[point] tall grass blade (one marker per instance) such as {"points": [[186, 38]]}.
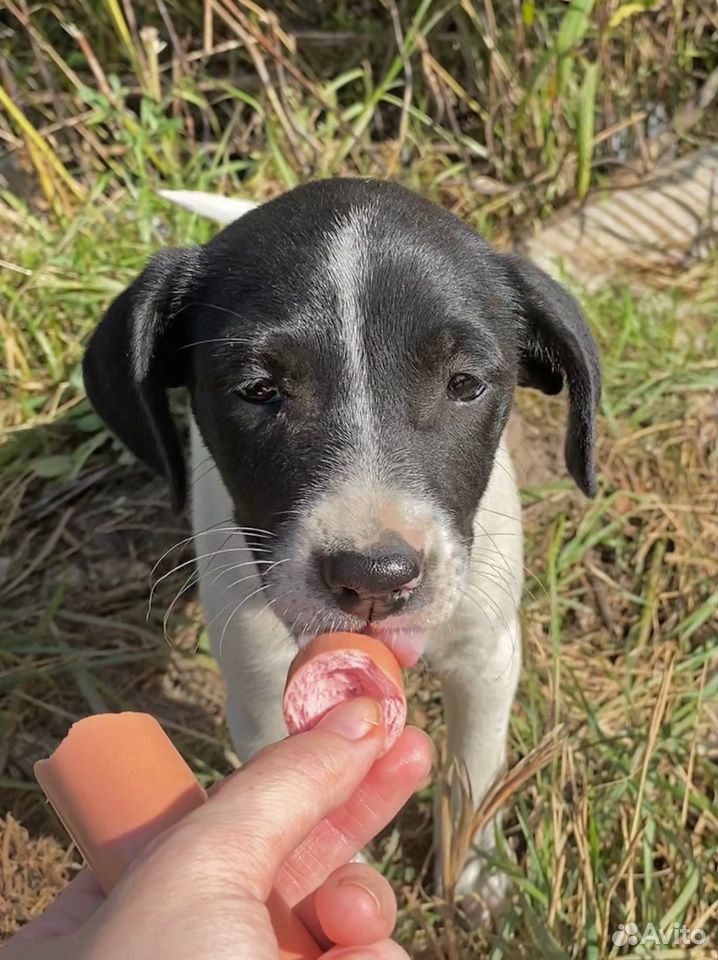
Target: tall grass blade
{"points": [[586, 124]]}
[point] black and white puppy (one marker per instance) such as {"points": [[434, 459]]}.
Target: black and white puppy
{"points": [[351, 353]]}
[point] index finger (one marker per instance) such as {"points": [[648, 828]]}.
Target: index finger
{"points": [[246, 830], [344, 831]]}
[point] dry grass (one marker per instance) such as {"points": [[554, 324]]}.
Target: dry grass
{"points": [[610, 794], [502, 111]]}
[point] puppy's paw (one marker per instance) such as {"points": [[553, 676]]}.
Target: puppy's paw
{"points": [[481, 893], [482, 889]]}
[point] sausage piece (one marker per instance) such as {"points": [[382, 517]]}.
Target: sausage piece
{"points": [[335, 667]]}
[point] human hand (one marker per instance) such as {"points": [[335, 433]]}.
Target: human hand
{"points": [[286, 821]]}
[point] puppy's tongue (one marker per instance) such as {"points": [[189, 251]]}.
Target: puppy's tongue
{"points": [[407, 645]]}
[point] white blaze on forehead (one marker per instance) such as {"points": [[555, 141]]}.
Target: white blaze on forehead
{"points": [[361, 503], [347, 266]]}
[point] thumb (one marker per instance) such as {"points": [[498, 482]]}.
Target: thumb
{"points": [[252, 824]]}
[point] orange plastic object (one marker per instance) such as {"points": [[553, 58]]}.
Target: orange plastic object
{"points": [[116, 782], [335, 667]]}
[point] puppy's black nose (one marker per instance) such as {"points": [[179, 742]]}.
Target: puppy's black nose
{"points": [[374, 584]]}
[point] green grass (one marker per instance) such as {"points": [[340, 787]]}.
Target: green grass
{"points": [[611, 794], [502, 110]]}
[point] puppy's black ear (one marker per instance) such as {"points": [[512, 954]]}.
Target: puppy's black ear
{"points": [[132, 360], [557, 348]]}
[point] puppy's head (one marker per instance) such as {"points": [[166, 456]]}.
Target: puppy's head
{"points": [[351, 352]]}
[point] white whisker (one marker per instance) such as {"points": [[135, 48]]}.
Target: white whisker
{"points": [[228, 567], [181, 543], [245, 599], [189, 582], [180, 566], [271, 564]]}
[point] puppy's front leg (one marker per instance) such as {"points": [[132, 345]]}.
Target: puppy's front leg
{"points": [[249, 643], [254, 699], [479, 682]]}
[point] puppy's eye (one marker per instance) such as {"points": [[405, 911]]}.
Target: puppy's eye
{"points": [[463, 387], [259, 391]]}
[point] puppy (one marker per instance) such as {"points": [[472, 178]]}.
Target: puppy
{"points": [[350, 352]]}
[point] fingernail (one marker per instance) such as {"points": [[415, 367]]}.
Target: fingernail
{"points": [[350, 882], [353, 719]]}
